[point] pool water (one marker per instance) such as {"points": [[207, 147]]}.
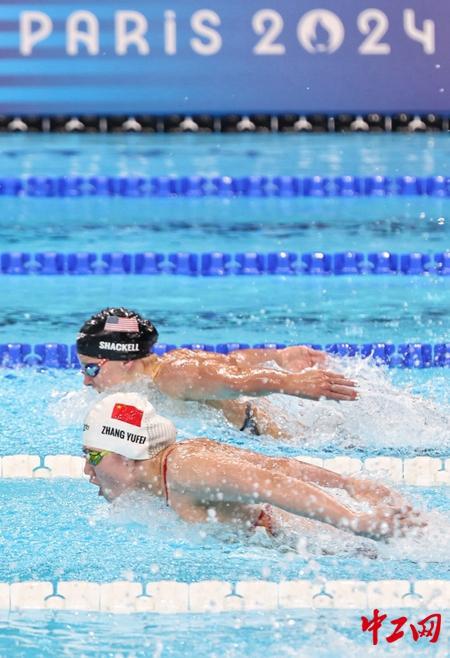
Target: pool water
{"points": [[236, 309], [60, 530], [301, 224], [285, 635], [409, 412], [305, 224], [145, 542], [228, 154]]}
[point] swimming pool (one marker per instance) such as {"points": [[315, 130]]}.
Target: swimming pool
{"points": [[57, 530]]}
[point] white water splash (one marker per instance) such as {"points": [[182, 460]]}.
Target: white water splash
{"points": [[304, 538], [69, 408], [384, 415], [422, 545]]}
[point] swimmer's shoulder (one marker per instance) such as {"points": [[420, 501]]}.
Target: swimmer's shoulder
{"points": [[202, 446], [168, 359], [183, 454], [194, 447], [180, 357], [196, 443]]}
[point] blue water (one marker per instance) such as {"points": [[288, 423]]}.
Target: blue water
{"points": [[397, 224], [242, 309], [62, 530], [303, 224], [299, 634], [146, 542], [211, 155]]}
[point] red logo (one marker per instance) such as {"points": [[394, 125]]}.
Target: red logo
{"points": [[128, 414], [429, 627]]}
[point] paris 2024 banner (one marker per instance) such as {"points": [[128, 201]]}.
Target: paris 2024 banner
{"points": [[114, 57]]}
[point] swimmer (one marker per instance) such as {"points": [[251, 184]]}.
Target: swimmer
{"points": [[127, 446], [114, 349]]}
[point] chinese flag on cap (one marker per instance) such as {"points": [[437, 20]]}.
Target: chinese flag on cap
{"points": [[128, 414]]}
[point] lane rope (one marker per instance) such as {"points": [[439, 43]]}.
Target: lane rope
{"points": [[347, 186], [172, 597], [221, 264], [412, 471]]}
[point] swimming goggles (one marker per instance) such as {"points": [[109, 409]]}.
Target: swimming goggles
{"points": [[94, 457], [92, 369]]}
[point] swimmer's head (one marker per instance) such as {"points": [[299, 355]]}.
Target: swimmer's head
{"points": [[110, 342], [120, 432], [116, 334]]}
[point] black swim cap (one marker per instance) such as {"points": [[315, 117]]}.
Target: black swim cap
{"points": [[116, 334]]}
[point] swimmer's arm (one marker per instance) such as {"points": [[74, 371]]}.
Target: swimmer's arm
{"points": [[371, 491], [294, 358], [237, 482], [192, 379]]}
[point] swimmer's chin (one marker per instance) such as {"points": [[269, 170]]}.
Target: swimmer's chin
{"points": [[108, 495]]}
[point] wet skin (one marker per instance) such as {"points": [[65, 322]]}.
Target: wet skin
{"points": [[207, 478], [218, 380], [194, 375]]}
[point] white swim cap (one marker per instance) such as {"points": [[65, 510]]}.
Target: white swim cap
{"points": [[127, 424]]}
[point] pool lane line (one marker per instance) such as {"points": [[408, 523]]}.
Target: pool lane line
{"points": [[215, 596], [222, 264], [413, 471], [225, 186]]}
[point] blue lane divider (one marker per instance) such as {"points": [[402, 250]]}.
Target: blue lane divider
{"points": [[225, 186], [217, 263], [403, 355]]}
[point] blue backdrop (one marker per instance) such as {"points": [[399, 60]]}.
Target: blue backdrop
{"points": [[110, 56]]}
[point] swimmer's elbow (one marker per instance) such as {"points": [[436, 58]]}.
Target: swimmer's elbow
{"points": [[211, 384]]}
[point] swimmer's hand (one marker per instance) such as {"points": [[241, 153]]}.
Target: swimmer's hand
{"points": [[385, 521], [316, 384]]}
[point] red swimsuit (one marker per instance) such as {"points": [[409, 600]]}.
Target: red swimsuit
{"points": [[166, 453]]}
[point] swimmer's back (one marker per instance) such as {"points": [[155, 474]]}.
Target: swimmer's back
{"points": [[201, 452]]}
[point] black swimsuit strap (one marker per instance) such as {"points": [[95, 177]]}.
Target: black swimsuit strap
{"points": [[250, 423]]}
